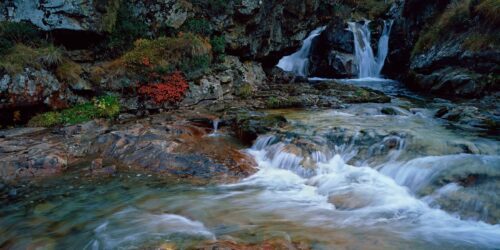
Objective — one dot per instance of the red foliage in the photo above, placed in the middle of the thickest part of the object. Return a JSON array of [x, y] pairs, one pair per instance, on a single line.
[[171, 88]]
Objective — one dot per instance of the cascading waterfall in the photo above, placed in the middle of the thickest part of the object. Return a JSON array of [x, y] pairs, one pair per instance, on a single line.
[[298, 62], [367, 64]]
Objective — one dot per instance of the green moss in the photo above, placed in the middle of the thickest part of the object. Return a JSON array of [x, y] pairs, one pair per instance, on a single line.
[[105, 106], [48, 119]]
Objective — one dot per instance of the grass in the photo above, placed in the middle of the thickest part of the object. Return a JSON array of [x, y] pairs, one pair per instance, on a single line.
[[69, 72], [480, 18], [245, 91], [19, 57], [105, 107]]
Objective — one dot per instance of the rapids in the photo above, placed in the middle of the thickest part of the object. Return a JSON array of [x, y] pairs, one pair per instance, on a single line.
[[370, 176]]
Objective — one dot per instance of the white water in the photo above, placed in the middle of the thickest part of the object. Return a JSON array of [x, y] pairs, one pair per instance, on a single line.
[[338, 195], [298, 62], [369, 65]]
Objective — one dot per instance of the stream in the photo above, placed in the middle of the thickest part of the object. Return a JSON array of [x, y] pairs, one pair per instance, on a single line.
[[370, 176]]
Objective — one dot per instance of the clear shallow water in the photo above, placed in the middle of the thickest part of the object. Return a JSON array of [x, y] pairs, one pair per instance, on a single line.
[[336, 179]]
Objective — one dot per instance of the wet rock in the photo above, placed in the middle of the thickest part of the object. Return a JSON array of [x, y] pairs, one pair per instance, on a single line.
[[248, 125], [332, 52], [267, 244], [172, 13]]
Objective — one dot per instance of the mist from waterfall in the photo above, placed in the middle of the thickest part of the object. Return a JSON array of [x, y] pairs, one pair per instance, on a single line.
[[369, 65], [298, 62]]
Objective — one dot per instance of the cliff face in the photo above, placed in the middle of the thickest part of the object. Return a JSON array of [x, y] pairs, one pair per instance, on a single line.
[[448, 48]]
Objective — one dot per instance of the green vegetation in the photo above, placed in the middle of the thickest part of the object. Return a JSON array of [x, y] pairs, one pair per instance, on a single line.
[[18, 57], [198, 26], [127, 29], [106, 107], [361, 9], [214, 7], [12, 33], [219, 47], [111, 9], [187, 52], [480, 16], [69, 72], [245, 91]]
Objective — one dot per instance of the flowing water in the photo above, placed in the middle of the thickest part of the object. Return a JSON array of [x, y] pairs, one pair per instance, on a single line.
[[355, 178], [298, 62], [368, 64]]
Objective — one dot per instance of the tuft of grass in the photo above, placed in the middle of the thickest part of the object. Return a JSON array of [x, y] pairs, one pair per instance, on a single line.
[[478, 41], [51, 56], [245, 91], [69, 72]]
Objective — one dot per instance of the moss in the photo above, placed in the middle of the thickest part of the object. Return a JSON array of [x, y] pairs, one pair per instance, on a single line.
[[219, 47], [105, 106], [48, 119], [69, 72]]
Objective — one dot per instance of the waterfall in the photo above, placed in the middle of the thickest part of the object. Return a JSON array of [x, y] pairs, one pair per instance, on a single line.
[[298, 62], [369, 65]]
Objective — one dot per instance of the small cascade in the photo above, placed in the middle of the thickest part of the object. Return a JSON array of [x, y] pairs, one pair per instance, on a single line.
[[368, 64], [298, 62], [215, 124]]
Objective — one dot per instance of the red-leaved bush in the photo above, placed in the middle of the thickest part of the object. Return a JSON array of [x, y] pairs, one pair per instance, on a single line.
[[171, 88]]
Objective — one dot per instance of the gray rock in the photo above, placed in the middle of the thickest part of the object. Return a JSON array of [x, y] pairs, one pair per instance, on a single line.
[[79, 15]]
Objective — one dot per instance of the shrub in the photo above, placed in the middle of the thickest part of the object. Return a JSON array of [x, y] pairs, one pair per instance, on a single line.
[[187, 51], [219, 47], [198, 26], [171, 89]]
